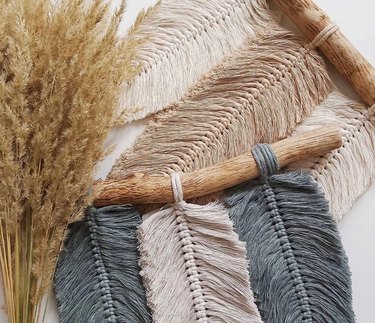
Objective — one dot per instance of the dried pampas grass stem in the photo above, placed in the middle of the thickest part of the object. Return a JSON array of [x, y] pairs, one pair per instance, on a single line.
[[60, 70]]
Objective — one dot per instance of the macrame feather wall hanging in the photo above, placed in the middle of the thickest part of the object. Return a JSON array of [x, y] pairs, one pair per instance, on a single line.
[[268, 250], [251, 89], [191, 243]]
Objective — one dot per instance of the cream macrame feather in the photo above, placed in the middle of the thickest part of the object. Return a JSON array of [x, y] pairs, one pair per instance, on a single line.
[[194, 267], [345, 173], [181, 40]]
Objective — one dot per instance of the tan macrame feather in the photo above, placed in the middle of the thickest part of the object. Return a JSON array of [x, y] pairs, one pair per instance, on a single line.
[[194, 267], [257, 95], [181, 41], [346, 173]]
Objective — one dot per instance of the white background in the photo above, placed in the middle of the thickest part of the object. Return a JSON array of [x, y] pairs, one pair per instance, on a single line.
[[356, 19]]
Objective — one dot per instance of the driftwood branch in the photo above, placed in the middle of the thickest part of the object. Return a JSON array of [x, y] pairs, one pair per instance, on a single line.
[[348, 61], [145, 189]]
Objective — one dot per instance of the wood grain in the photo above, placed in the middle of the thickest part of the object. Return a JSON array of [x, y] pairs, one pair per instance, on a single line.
[[348, 61], [145, 189]]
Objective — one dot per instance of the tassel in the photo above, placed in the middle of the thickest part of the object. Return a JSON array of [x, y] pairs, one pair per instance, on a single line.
[[299, 271], [97, 278], [250, 98], [345, 173], [193, 265], [181, 40]]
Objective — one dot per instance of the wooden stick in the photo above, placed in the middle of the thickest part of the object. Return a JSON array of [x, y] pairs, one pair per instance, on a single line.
[[311, 20], [145, 189]]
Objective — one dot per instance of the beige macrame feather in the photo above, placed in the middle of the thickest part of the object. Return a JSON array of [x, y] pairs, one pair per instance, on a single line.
[[194, 267], [181, 41], [346, 173], [257, 95]]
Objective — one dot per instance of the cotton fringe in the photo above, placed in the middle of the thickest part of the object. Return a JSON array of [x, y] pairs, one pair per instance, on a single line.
[[194, 267], [345, 173], [258, 95], [299, 271], [97, 278], [183, 40]]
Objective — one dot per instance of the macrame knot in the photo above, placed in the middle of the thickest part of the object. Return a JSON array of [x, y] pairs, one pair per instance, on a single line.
[[178, 194], [265, 159], [326, 32]]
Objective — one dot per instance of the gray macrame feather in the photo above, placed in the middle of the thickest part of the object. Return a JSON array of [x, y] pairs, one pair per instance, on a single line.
[[97, 278], [299, 271]]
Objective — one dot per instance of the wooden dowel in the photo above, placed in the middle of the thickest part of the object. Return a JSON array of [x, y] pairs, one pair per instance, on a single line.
[[145, 189], [348, 61]]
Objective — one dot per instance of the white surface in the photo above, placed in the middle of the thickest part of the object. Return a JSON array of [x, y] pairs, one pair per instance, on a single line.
[[355, 18]]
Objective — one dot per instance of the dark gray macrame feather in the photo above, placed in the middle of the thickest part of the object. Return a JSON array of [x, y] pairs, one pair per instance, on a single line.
[[97, 278], [299, 271]]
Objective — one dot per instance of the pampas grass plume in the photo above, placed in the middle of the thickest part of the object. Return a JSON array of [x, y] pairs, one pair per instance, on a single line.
[[61, 67]]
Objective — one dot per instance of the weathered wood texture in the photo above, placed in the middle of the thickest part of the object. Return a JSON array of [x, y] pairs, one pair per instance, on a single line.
[[145, 189], [348, 61]]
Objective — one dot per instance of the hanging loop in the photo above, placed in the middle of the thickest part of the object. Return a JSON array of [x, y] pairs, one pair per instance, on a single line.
[[177, 188], [265, 159], [326, 32]]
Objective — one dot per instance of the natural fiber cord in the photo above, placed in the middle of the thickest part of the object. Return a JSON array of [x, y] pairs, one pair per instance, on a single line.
[[259, 94], [97, 278], [194, 266], [183, 40], [299, 271]]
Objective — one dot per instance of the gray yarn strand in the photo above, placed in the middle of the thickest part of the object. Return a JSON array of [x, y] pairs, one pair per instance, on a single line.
[[299, 271], [97, 278]]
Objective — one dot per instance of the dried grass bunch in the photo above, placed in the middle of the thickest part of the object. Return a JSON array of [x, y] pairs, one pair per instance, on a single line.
[[61, 67]]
